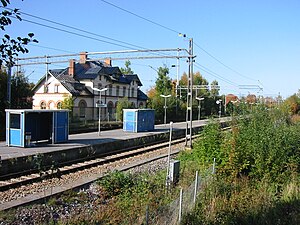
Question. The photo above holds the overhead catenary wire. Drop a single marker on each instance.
(201, 67)
(177, 32)
(141, 17)
(85, 36)
(71, 32)
(219, 61)
(83, 31)
(51, 48)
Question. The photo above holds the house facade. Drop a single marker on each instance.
(79, 80)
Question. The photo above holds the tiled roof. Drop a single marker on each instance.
(132, 77)
(73, 86)
(110, 70)
(90, 70)
(142, 95)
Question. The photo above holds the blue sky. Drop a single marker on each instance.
(258, 40)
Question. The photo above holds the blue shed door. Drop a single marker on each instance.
(129, 121)
(15, 129)
(60, 127)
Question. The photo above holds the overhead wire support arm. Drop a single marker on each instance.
(65, 57)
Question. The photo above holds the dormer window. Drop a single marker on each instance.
(56, 88)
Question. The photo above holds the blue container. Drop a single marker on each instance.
(24, 126)
(138, 120)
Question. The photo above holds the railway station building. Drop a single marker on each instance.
(79, 80)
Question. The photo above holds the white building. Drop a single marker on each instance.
(78, 81)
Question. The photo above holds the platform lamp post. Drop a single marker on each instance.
(199, 107)
(219, 102)
(165, 107)
(99, 105)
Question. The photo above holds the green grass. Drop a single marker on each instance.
(247, 202)
(257, 180)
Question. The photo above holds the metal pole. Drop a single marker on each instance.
(177, 82)
(191, 87)
(169, 155)
(180, 206)
(165, 119)
(165, 116)
(196, 187)
(99, 128)
(214, 167)
(46, 70)
(189, 109)
(9, 87)
(225, 105)
(199, 110)
(147, 215)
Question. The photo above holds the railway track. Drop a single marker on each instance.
(35, 177)
(34, 187)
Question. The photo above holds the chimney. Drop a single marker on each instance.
(108, 61)
(82, 57)
(72, 67)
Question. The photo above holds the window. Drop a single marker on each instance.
(15, 121)
(82, 107)
(132, 92)
(43, 105)
(124, 91)
(59, 105)
(110, 107)
(117, 91)
(100, 86)
(56, 88)
(45, 89)
(110, 90)
(51, 105)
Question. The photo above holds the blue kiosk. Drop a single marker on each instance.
(26, 126)
(138, 120)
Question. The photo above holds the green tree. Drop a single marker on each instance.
(3, 103)
(21, 95)
(214, 90)
(123, 103)
(11, 47)
(68, 103)
(127, 70)
(163, 86)
(293, 104)
(200, 80)
(163, 83)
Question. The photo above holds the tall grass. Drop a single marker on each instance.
(258, 171)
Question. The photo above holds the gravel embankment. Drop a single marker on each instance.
(39, 213)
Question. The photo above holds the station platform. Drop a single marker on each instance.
(83, 146)
(85, 139)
